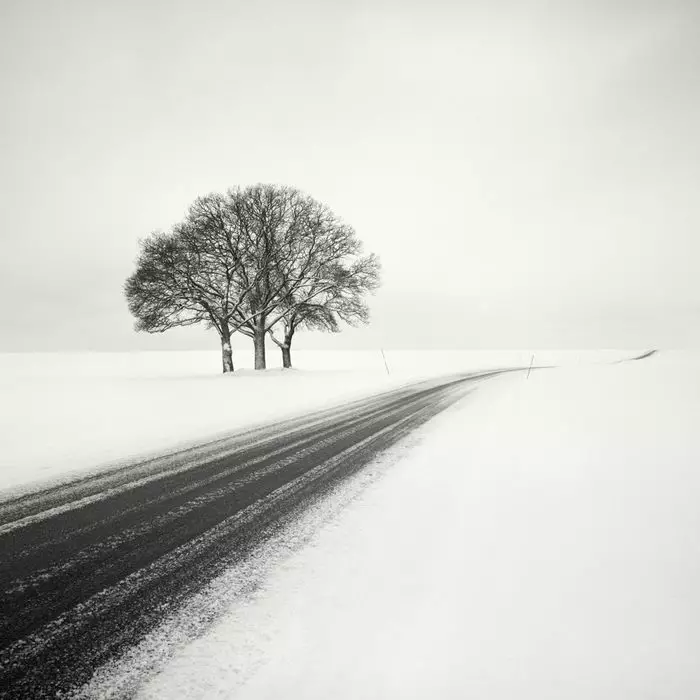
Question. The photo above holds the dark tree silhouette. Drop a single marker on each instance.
(197, 273)
(168, 290)
(272, 221)
(340, 296)
(301, 256)
(247, 261)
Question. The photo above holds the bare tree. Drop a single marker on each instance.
(197, 273)
(337, 296)
(247, 261)
(296, 250)
(268, 219)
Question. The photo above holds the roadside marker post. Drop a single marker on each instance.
(529, 369)
(385, 363)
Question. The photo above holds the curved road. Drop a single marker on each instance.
(89, 567)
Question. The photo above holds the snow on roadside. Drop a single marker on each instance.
(539, 542)
(65, 413)
(60, 426)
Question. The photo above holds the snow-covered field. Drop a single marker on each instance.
(538, 540)
(63, 413)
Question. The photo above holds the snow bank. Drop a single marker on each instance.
(80, 412)
(62, 413)
(540, 542)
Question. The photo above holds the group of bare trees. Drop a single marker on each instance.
(261, 261)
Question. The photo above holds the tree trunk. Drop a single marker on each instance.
(259, 345)
(287, 348)
(286, 356)
(226, 355)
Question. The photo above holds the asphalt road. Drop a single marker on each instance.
(90, 566)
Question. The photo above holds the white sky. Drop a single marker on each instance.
(527, 171)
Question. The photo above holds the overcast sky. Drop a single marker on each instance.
(528, 172)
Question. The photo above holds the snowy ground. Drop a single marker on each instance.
(63, 413)
(539, 540)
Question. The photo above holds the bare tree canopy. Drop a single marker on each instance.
(247, 261)
(193, 274)
(338, 296)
